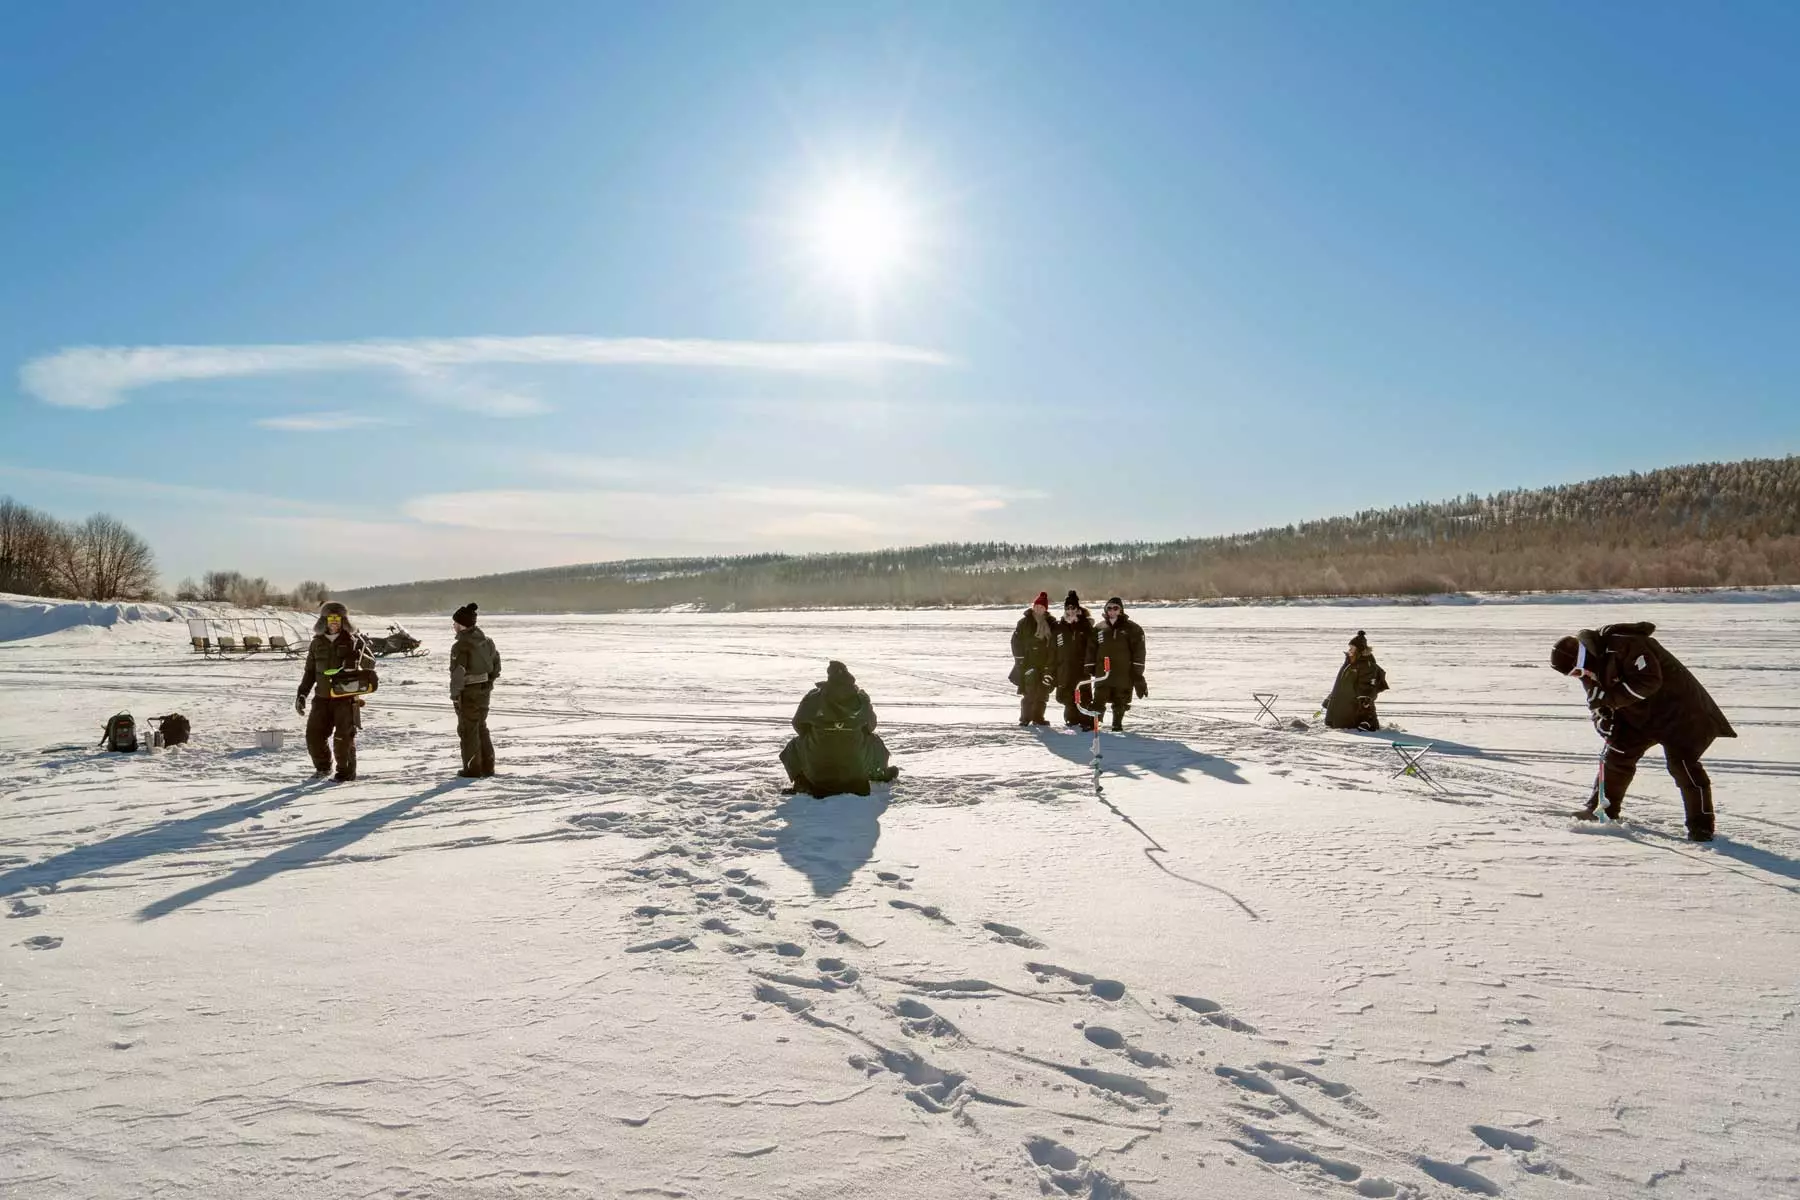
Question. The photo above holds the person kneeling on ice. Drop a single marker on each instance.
(336, 662)
(837, 749)
(1115, 655)
(1639, 696)
(1034, 660)
(1351, 704)
(474, 666)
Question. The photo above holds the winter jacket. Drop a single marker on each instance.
(1072, 638)
(1032, 655)
(1643, 694)
(835, 721)
(1122, 643)
(473, 659)
(1352, 699)
(328, 655)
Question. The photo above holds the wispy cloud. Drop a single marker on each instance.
(323, 422)
(104, 376)
(676, 516)
(223, 500)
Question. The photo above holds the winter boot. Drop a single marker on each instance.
(1700, 835)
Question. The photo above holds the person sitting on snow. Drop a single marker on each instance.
(1639, 695)
(1351, 704)
(836, 749)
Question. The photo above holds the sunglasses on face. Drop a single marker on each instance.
(1114, 608)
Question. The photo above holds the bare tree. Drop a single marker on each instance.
(107, 561)
(187, 589)
(31, 545)
(217, 585)
(311, 593)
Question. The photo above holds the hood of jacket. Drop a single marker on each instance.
(333, 607)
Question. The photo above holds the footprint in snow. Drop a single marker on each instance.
(42, 941)
(1061, 1171)
(1012, 935)
(1213, 1013)
(931, 911)
(1106, 989)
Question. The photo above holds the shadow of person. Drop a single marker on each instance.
(1763, 860)
(1134, 754)
(303, 853)
(163, 838)
(828, 840)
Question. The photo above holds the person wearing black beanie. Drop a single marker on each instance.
(1073, 633)
(474, 668)
(1115, 656)
(1360, 679)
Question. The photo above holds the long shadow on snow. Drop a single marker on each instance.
(303, 853)
(829, 840)
(182, 834)
(1133, 752)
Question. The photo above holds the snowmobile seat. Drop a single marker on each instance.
(227, 644)
(202, 645)
(252, 643)
(277, 642)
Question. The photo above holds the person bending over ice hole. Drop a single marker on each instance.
(836, 750)
(1639, 696)
(1034, 660)
(338, 654)
(474, 667)
(1117, 641)
(1073, 633)
(1351, 704)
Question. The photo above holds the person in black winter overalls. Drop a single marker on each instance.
(1073, 633)
(337, 653)
(1116, 653)
(835, 748)
(474, 670)
(1639, 695)
(1034, 660)
(1351, 704)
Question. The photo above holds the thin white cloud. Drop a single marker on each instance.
(747, 517)
(104, 376)
(222, 500)
(323, 422)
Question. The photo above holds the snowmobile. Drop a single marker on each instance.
(397, 641)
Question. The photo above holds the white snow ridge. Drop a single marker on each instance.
(627, 966)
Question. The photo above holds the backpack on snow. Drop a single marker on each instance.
(173, 729)
(120, 733)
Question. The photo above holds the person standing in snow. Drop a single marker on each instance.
(1351, 704)
(337, 652)
(474, 668)
(1639, 695)
(835, 748)
(1073, 633)
(1116, 652)
(1034, 660)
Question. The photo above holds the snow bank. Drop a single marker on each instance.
(31, 616)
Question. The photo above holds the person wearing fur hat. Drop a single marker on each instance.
(835, 748)
(1034, 660)
(1639, 695)
(1073, 632)
(338, 655)
(1351, 704)
(474, 668)
(1115, 655)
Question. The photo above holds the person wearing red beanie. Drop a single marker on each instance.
(1034, 660)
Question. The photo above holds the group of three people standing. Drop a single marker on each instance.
(1086, 664)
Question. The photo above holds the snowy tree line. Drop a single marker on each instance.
(101, 558)
(1708, 525)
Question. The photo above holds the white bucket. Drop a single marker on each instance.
(270, 739)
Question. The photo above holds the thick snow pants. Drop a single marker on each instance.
(1120, 699)
(1619, 766)
(1035, 697)
(472, 729)
(331, 726)
(828, 763)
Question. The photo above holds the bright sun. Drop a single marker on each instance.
(861, 233)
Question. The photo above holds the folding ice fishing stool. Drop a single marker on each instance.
(1265, 701)
(1412, 762)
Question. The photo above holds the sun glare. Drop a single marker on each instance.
(861, 233)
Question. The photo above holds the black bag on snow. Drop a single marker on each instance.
(174, 729)
(120, 733)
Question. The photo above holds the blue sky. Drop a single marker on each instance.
(379, 292)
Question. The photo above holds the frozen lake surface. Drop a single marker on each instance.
(628, 966)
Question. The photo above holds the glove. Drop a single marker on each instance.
(1603, 720)
(1141, 688)
(300, 704)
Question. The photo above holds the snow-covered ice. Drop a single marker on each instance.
(628, 966)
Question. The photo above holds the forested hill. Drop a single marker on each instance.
(1715, 524)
